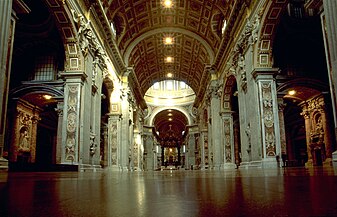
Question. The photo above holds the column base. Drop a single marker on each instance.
(228, 166)
(3, 164)
(113, 168)
(250, 164)
(136, 169)
(328, 162)
(309, 163)
(270, 163)
(216, 167)
(124, 168)
(89, 167)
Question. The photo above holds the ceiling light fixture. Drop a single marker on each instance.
(47, 97)
(170, 119)
(169, 59)
(169, 75)
(167, 3)
(168, 40)
(292, 92)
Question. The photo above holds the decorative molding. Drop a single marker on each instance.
(72, 122)
(268, 118)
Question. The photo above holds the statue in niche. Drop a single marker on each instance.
(24, 145)
(319, 126)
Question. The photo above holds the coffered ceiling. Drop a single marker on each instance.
(194, 25)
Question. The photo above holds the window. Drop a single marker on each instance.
(45, 68)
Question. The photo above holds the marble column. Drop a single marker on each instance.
(6, 42)
(281, 106)
(190, 155)
(237, 146)
(105, 146)
(162, 155)
(13, 150)
(113, 141)
(330, 8)
(125, 132)
(203, 154)
(59, 110)
(35, 120)
(228, 140)
(307, 122)
(72, 151)
(149, 156)
(327, 136)
(269, 120)
(135, 151)
(216, 125)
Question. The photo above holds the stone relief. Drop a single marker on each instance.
(241, 69)
(227, 138)
(268, 117)
(113, 142)
(89, 42)
(214, 91)
(255, 28)
(24, 140)
(71, 126)
(314, 110)
(25, 133)
(135, 155)
(84, 31)
(248, 36)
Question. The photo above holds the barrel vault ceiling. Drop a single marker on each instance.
(194, 25)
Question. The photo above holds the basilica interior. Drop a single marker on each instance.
(167, 85)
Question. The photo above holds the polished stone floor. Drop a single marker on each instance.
(243, 192)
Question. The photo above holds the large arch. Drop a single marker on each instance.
(270, 19)
(160, 109)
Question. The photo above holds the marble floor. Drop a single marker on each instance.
(243, 192)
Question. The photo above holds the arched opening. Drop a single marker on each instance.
(35, 91)
(105, 109)
(231, 106)
(32, 127)
(170, 131)
(303, 85)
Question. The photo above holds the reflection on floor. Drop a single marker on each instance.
(243, 192)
